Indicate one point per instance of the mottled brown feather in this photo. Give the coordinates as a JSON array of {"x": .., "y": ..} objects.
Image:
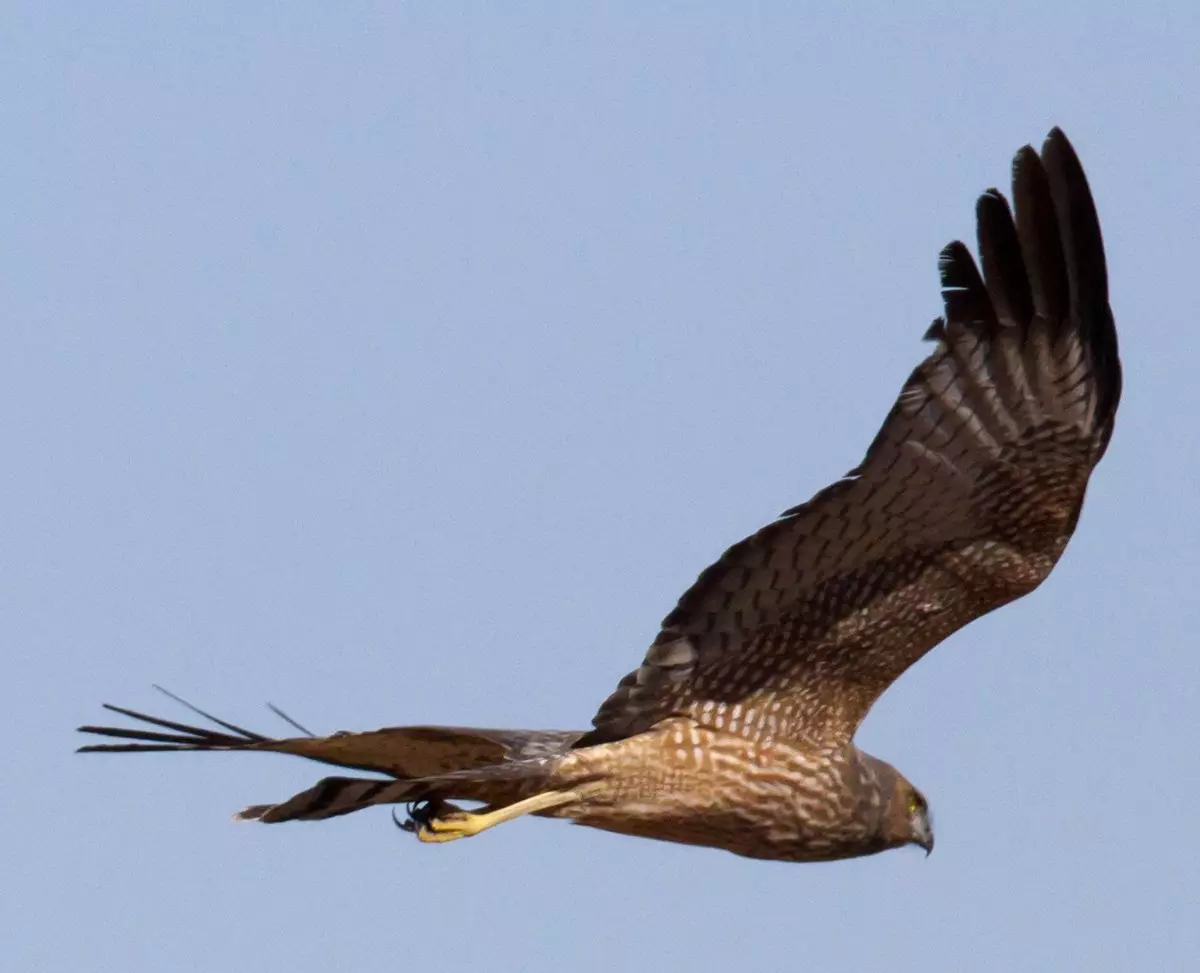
[{"x": 965, "y": 499}]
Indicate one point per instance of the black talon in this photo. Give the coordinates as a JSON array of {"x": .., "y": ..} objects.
[{"x": 418, "y": 814}]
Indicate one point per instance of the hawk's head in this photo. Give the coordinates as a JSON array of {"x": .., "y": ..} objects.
[{"x": 907, "y": 821}]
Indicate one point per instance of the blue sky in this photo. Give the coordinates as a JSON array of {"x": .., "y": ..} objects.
[{"x": 403, "y": 364}]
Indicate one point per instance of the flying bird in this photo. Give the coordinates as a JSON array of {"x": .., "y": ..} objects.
[{"x": 737, "y": 729}]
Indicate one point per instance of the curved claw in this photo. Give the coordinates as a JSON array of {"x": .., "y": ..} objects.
[{"x": 421, "y": 813}]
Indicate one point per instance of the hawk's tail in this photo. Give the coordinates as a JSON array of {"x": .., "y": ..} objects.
[
  {"x": 184, "y": 737},
  {"x": 423, "y": 762},
  {"x": 335, "y": 796}
]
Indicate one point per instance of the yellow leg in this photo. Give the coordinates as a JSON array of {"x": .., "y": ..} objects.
[{"x": 465, "y": 824}]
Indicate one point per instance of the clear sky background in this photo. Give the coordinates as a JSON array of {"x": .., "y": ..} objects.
[{"x": 403, "y": 363}]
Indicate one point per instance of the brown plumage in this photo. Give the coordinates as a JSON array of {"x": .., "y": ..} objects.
[{"x": 737, "y": 729}]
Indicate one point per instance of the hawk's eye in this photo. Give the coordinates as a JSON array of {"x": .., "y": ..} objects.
[{"x": 914, "y": 803}]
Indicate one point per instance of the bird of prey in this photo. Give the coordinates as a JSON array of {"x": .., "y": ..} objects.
[{"x": 737, "y": 729}]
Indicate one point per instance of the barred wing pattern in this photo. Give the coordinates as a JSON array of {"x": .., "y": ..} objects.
[{"x": 964, "y": 501}]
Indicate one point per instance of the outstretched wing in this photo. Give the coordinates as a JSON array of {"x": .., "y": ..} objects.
[{"x": 964, "y": 501}]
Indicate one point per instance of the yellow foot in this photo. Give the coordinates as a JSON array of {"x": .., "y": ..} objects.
[
  {"x": 448, "y": 823},
  {"x": 448, "y": 826}
]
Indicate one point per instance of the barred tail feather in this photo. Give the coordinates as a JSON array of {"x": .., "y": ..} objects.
[
  {"x": 422, "y": 761},
  {"x": 333, "y": 797}
]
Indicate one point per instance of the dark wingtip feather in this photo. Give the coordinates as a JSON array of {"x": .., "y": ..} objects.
[
  {"x": 1080, "y": 225},
  {"x": 1086, "y": 266},
  {"x": 963, "y": 292},
  {"x": 1000, "y": 254},
  {"x": 1038, "y": 231}
]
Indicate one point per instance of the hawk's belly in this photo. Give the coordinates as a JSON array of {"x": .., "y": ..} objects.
[{"x": 685, "y": 783}]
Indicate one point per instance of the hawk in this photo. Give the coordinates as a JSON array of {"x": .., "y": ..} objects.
[{"x": 737, "y": 729}]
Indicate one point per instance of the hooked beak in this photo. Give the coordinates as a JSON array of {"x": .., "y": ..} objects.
[{"x": 924, "y": 838}]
